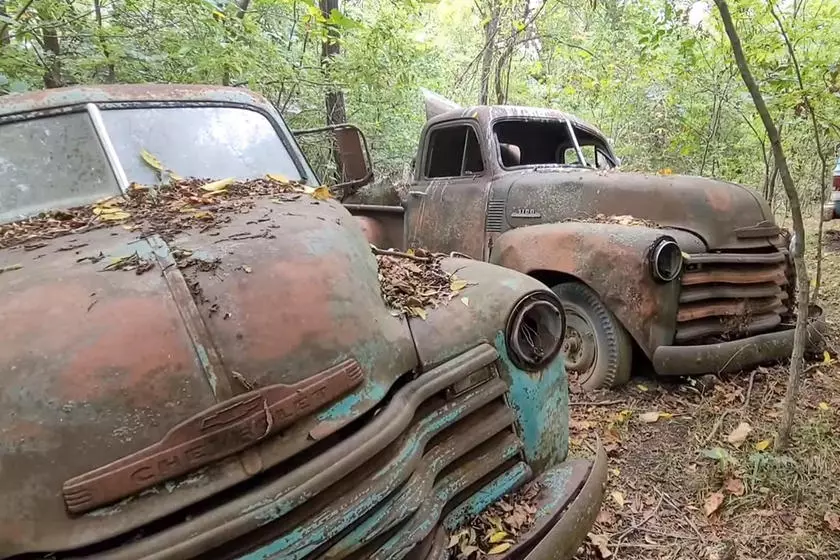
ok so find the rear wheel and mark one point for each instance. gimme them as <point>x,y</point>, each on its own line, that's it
<point>597,348</point>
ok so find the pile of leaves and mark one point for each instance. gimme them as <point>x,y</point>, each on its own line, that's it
<point>624,220</point>
<point>414,280</point>
<point>496,529</point>
<point>165,210</point>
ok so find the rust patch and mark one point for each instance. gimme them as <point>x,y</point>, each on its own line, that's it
<point>218,432</point>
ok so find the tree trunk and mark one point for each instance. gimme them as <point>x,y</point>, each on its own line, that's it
<point>52,74</point>
<point>489,52</point>
<point>798,241</point>
<point>112,71</point>
<point>5,38</point>
<point>330,48</point>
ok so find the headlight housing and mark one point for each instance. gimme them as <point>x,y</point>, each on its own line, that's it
<point>666,259</point>
<point>535,330</point>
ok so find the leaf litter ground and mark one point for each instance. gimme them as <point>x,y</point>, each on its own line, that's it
<point>693,474</point>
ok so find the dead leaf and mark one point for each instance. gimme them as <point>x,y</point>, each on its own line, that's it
<point>218,186</point>
<point>739,434</point>
<point>499,548</point>
<point>832,519</point>
<point>642,388</point>
<point>823,406</point>
<point>618,498</point>
<point>605,517</point>
<point>418,312</point>
<point>623,415</point>
<point>457,285</point>
<point>826,357</point>
<point>322,193</point>
<point>600,542</point>
<point>650,417</point>
<point>762,445</point>
<point>277,177</point>
<point>712,503</point>
<point>735,486</point>
<point>151,160</point>
<point>465,301</point>
<point>115,216</point>
<point>497,537</point>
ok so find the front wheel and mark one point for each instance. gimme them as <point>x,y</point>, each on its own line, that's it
<point>597,348</point>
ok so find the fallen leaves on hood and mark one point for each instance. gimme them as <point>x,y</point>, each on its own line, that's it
<point>166,210</point>
<point>497,529</point>
<point>414,281</point>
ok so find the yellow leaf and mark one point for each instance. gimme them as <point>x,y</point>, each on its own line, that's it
<point>322,193</point>
<point>823,406</point>
<point>151,160</point>
<point>174,175</point>
<point>618,498</point>
<point>499,548</point>
<point>465,301</point>
<point>217,186</point>
<point>417,312</point>
<point>665,415</point>
<point>458,285</point>
<point>826,357</point>
<point>277,177</point>
<point>498,537</point>
<point>624,415</point>
<point>114,216</point>
<point>642,388</point>
<point>410,252</point>
<point>139,187</point>
<point>762,445</point>
<point>616,471</point>
<point>219,15</point>
<point>665,171</point>
<point>649,417</point>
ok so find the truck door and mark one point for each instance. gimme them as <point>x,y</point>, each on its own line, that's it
<point>447,203</point>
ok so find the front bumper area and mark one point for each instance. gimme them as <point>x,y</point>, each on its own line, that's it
<point>569,503</point>
<point>734,355</point>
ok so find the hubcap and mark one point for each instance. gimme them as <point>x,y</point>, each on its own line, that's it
<point>579,345</point>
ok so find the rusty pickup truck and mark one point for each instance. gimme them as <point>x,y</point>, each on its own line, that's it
<point>688,273</point>
<point>196,368</point>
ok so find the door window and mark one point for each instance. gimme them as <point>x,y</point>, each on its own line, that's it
<point>453,152</point>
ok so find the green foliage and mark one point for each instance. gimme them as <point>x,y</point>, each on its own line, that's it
<point>656,75</point>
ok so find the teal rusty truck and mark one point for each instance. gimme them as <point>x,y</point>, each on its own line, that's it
<point>198,367</point>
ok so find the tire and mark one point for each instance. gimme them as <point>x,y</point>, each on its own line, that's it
<point>597,348</point>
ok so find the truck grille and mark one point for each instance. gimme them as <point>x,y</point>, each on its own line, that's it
<point>725,296</point>
<point>442,448</point>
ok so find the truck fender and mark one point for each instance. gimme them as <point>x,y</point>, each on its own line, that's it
<point>612,259</point>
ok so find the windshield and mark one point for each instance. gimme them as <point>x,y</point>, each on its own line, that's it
<point>58,161</point>
<point>524,143</point>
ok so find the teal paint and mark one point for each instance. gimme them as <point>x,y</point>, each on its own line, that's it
<point>506,482</point>
<point>555,482</point>
<point>541,402</point>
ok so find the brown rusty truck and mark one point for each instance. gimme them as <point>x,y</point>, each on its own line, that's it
<point>208,368</point>
<point>689,273</point>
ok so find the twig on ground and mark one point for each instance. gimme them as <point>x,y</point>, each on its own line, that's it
<point>680,511</point>
<point>378,251</point>
<point>749,389</point>
<point>717,425</point>
<point>598,403</point>
<point>636,526</point>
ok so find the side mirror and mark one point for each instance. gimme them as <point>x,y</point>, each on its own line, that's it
<point>340,154</point>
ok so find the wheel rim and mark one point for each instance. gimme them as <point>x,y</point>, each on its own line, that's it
<point>579,345</point>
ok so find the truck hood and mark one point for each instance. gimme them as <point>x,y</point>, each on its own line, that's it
<point>282,302</point>
<point>724,215</point>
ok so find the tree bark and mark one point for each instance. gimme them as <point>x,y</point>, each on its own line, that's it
<point>798,241</point>
<point>817,142</point>
<point>489,53</point>
<point>111,69</point>
<point>52,44</point>
<point>5,38</point>
<point>330,48</point>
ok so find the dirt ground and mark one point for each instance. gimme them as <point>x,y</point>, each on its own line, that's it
<point>693,470</point>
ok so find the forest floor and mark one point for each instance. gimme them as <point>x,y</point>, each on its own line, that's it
<point>693,474</point>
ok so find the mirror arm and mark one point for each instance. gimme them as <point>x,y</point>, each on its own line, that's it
<point>348,187</point>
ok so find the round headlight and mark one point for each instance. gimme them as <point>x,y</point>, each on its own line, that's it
<point>666,260</point>
<point>535,330</point>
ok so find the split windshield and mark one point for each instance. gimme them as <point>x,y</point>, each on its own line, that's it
<point>58,161</point>
<point>524,143</point>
